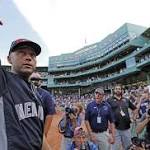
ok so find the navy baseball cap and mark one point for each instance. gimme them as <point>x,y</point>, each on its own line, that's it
<point>24,42</point>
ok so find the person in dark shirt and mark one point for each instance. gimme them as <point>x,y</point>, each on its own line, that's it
<point>47,99</point>
<point>120,106</point>
<point>144,102</point>
<point>21,110</point>
<point>144,124</point>
<point>98,118</point>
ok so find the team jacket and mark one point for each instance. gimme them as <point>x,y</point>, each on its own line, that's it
<point>21,114</point>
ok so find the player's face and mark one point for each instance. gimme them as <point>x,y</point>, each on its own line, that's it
<point>23,61</point>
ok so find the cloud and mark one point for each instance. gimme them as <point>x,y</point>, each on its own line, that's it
<point>64,24</point>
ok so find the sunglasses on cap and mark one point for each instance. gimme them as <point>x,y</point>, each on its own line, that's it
<point>35,79</point>
<point>99,93</point>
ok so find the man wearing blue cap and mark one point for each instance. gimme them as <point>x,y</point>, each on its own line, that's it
<point>21,110</point>
<point>99,119</point>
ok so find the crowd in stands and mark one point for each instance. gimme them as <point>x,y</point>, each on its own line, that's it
<point>92,78</point>
<point>144,58</point>
<point>139,96</point>
<point>69,100</point>
<point>133,93</point>
<point>104,65</point>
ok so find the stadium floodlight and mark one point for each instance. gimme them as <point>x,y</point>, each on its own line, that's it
<point>1,23</point>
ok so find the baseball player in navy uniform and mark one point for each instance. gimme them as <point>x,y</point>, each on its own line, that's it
<point>47,99</point>
<point>21,110</point>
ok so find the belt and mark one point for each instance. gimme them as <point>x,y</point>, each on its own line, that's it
<point>68,136</point>
<point>99,131</point>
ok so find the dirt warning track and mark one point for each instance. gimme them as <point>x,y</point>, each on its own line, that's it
<point>54,137</point>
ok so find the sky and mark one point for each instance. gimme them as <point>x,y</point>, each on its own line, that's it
<point>64,26</point>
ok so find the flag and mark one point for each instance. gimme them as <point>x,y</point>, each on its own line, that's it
<point>85,41</point>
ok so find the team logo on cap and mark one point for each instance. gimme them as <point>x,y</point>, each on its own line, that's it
<point>20,40</point>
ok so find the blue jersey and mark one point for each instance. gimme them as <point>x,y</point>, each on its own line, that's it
<point>144,106</point>
<point>21,114</point>
<point>103,111</point>
<point>48,101</point>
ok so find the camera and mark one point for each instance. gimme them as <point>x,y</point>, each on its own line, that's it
<point>69,110</point>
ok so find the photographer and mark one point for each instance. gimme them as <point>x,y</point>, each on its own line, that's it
<point>68,123</point>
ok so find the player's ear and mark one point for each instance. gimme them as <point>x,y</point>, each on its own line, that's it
<point>9,59</point>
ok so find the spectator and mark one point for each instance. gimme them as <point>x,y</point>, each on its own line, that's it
<point>120,107</point>
<point>144,124</point>
<point>144,102</point>
<point>98,117</point>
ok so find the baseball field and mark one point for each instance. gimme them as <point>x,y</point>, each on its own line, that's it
<point>54,137</point>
